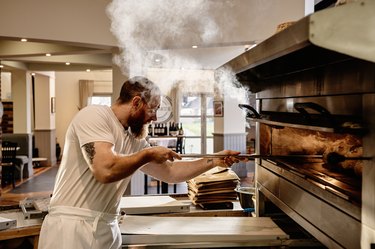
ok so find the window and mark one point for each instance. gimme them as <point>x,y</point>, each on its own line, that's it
<point>196,116</point>
<point>99,99</point>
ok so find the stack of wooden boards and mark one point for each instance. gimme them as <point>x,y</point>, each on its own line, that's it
<point>214,189</point>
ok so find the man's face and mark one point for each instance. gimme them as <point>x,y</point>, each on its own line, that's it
<point>140,119</point>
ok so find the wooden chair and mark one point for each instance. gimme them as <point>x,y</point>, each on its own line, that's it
<point>8,163</point>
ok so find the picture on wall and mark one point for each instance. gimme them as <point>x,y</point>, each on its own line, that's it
<point>218,109</point>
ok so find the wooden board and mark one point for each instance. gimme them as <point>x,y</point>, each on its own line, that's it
<point>152,205</point>
<point>151,229</point>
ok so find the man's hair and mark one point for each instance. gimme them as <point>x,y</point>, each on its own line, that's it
<point>138,86</point>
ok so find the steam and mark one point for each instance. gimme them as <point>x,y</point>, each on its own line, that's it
<point>225,75</point>
<point>145,30</point>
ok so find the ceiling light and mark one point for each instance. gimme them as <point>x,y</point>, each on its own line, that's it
<point>67,63</point>
<point>23,40</point>
<point>1,66</point>
<point>248,47</point>
<point>88,70</point>
<point>194,46</point>
<point>48,54</point>
<point>33,74</point>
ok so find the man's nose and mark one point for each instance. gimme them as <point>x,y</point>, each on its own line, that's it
<point>154,117</point>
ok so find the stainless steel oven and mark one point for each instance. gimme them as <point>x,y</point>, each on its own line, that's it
<point>315,93</point>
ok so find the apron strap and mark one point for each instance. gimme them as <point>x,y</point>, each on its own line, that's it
<point>80,213</point>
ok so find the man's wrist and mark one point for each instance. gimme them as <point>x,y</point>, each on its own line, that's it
<point>210,162</point>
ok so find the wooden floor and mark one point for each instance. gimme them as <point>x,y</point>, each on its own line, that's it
<point>7,198</point>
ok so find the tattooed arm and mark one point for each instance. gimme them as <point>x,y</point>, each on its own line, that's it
<point>107,166</point>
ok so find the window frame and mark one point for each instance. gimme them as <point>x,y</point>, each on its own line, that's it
<point>203,117</point>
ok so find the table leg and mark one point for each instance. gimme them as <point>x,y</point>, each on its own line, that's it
<point>36,241</point>
<point>146,185</point>
<point>164,187</point>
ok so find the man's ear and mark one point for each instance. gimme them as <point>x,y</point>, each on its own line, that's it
<point>137,102</point>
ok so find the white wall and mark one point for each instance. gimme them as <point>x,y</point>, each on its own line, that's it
<point>6,87</point>
<point>67,96</point>
<point>44,90</point>
<point>21,96</point>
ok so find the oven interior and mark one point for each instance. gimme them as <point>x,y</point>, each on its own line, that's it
<point>343,178</point>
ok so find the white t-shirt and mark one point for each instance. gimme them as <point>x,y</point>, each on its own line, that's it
<point>75,184</point>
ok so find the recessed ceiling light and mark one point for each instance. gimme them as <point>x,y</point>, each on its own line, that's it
<point>88,70</point>
<point>48,54</point>
<point>67,63</point>
<point>248,47</point>
<point>1,66</point>
<point>33,74</point>
<point>194,46</point>
<point>157,60</point>
<point>23,40</point>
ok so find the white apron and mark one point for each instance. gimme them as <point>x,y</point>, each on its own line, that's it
<point>78,228</point>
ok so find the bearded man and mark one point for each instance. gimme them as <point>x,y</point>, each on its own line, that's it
<point>104,146</point>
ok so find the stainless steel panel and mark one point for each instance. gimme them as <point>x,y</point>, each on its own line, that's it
<point>319,30</point>
<point>268,180</point>
<point>337,105</point>
<point>319,190</point>
<point>368,180</point>
<point>347,29</point>
<point>341,227</point>
<point>291,39</point>
<point>347,78</point>
<point>301,84</point>
<point>314,231</point>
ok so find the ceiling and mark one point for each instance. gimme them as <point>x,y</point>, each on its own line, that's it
<point>33,56</point>
<point>247,29</point>
<point>41,55</point>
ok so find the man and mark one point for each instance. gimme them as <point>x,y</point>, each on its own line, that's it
<point>104,146</point>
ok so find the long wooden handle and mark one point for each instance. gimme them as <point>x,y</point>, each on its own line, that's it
<point>331,158</point>
<point>251,156</point>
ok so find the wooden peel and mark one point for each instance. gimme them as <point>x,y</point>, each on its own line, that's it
<point>330,158</point>
<point>250,156</point>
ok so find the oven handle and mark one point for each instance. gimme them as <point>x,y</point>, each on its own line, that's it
<point>301,108</point>
<point>250,111</point>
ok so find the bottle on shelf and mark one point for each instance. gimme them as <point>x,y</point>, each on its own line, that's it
<point>173,129</point>
<point>165,131</point>
<point>168,125</point>
<point>180,130</point>
<point>156,129</point>
<point>159,129</point>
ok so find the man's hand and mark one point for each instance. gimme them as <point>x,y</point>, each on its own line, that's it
<point>228,160</point>
<point>159,154</point>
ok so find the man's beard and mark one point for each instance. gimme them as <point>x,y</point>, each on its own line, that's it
<point>137,126</point>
